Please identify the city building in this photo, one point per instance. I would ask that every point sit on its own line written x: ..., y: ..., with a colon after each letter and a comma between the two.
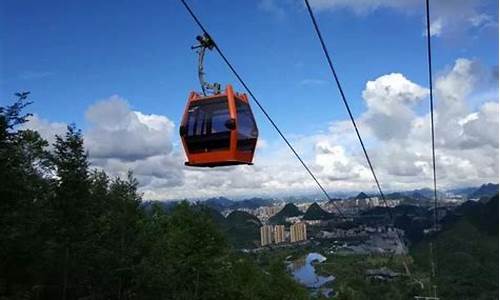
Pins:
x: 279, y: 234
x: 298, y: 232
x: 293, y: 219
x: 266, y: 235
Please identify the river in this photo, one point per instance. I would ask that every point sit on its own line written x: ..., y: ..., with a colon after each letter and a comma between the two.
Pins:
x: 303, y: 271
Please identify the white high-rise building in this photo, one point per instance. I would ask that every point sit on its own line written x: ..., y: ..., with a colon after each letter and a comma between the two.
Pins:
x: 266, y: 235
x: 279, y: 234
x: 298, y: 232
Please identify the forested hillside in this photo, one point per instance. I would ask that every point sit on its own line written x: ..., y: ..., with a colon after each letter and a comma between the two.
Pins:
x: 289, y: 210
x: 466, y: 253
x: 70, y: 232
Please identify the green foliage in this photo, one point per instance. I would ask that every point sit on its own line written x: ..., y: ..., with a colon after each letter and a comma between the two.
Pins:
x: 351, y: 282
x: 23, y: 192
x: 189, y: 254
x: 69, y: 232
x: 466, y: 254
x: 242, y: 229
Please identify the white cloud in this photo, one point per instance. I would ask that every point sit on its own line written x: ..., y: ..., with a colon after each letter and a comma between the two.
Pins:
x: 467, y: 140
x: 447, y: 17
x: 273, y: 7
x: 481, y: 128
x: 395, y: 132
x: 483, y: 20
x: 362, y: 6
x: 389, y: 99
x: 398, y: 141
x: 119, y: 139
x: 337, y: 165
x: 398, y: 138
x: 47, y: 130
x: 453, y: 110
x: 436, y: 27
x: 118, y: 132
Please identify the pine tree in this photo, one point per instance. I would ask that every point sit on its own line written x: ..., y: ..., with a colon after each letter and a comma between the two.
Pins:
x: 23, y: 189
x: 70, y: 208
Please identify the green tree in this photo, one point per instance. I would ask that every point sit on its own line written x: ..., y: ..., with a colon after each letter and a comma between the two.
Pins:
x: 187, y: 259
x: 118, y: 247
x: 71, y: 210
x: 70, y: 232
x: 23, y: 190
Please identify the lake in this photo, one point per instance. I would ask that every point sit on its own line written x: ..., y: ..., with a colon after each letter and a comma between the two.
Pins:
x: 303, y: 271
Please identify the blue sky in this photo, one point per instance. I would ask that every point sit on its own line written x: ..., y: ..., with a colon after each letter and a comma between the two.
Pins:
x: 71, y: 54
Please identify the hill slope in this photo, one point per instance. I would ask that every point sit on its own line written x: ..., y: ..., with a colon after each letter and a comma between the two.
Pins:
x: 290, y: 210
x: 315, y: 212
x: 219, y: 203
x: 242, y: 229
x: 467, y: 253
x: 252, y: 203
x: 361, y: 196
x: 486, y: 190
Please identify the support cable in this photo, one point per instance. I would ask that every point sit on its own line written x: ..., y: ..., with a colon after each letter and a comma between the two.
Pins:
x: 346, y: 104
x: 242, y: 82
x: 353, y: 121
x: 431, y: 102
x: 433, y: 254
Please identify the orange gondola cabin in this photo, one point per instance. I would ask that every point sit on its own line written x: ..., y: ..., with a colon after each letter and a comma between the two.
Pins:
x: 218, y: 130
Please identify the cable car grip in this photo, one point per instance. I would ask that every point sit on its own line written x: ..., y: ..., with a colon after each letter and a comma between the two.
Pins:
x: 205, y: 42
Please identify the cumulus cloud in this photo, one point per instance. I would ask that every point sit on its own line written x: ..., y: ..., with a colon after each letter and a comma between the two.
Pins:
x: 447, y: 17
x: 436, y: 27
x: 397, y: 134
x: 395, y: 131
x: 119, y: 139
x: 48, y: 130
x: 389, y: 99
x: 467, y: 138
x: 454, y: 113
x: 118, y: 132
x: 362, y: 6
x: 481, y: 128
x: 337, y: 165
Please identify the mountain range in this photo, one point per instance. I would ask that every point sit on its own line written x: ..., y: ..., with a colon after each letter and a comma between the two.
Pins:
x: 486, y: 190
x: 426, y: 194
x: 222, y: 203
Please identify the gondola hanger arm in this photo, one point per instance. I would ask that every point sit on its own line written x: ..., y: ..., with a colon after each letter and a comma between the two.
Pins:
x: 205, y: 42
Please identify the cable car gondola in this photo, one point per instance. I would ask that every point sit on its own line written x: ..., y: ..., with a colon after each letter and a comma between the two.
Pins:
x: 217, y: 129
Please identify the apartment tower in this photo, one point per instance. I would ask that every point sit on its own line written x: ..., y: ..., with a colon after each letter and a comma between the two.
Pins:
x: 266, y: 235
x: 298, y: 232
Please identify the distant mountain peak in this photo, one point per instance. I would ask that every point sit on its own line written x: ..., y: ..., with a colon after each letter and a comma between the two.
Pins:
x: 361, y: 196
x: 219, y: 203
x: 486, y: 190
x: 315, y: 212
x: 314, y: 205
x: 289, y: 210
